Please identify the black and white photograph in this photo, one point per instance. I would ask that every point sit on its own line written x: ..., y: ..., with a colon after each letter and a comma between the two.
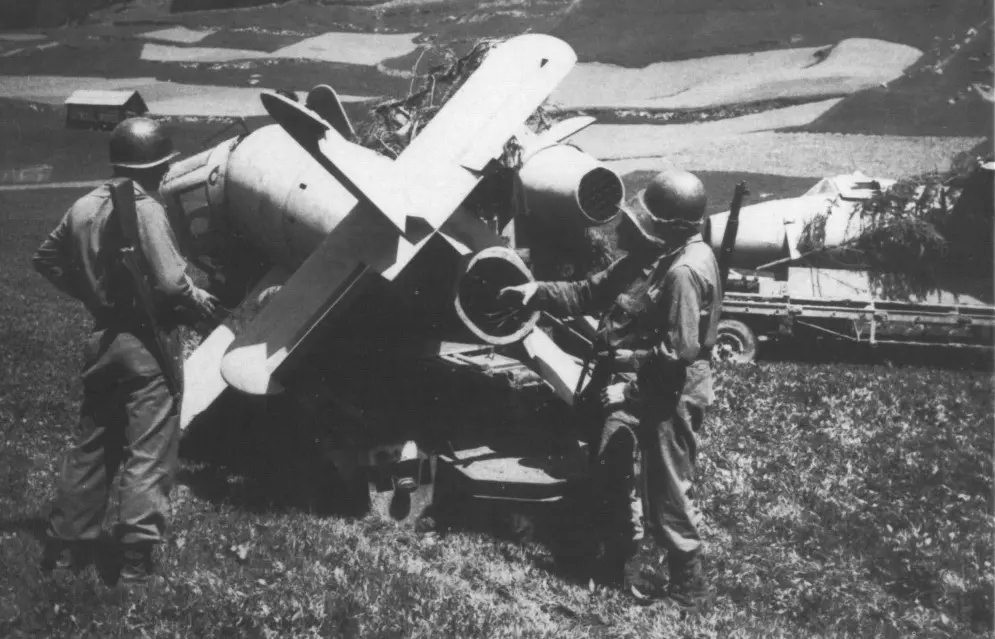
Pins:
x: 497, y: 319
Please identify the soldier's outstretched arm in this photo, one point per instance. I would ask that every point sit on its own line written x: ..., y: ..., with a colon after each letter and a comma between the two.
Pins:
x: 568, y: 299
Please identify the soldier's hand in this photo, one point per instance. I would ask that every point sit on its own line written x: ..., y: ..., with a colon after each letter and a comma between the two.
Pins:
x: 613, y: 395
x: 519, y: 295
x: 624, y: 356
x: 621, y: 358
x: 206, y: 303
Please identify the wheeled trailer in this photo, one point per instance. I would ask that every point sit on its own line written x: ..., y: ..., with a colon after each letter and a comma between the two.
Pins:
x: 838, y: 304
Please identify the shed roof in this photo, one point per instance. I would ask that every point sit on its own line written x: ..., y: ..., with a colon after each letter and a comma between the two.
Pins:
x: 103, y: 98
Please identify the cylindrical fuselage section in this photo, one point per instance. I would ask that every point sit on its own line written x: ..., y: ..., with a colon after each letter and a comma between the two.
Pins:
x: 759, y: 239
x: 566, y: 187
x: 280, y: 199
x: 763, y: 235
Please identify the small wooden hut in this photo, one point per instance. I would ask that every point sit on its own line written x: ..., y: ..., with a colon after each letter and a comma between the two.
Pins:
x: 96, y: 109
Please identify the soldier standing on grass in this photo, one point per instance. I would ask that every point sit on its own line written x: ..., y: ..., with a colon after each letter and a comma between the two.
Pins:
x: 128, y: 419
x: 660, y: 309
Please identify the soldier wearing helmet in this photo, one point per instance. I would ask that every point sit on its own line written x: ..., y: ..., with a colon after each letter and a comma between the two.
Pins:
x: 128, y: 419
x: 659, y: 307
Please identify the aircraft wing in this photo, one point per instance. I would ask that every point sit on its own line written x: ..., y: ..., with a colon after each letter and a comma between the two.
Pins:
x: 428, y: 181
x: 202, y: 381
x: 443, y: 163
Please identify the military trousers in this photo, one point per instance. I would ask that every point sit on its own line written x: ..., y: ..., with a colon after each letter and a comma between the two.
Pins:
x: 644, y: 466
x: 128, y: 426
x: 616, y: 471
x: 617, y: 493
x: 668, y: 429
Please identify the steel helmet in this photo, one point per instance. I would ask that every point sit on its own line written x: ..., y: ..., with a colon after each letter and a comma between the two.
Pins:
x: 674, y: 198
x: 140, y: 143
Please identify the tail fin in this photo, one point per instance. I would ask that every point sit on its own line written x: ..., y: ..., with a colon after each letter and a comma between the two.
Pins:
x: 325, y: 102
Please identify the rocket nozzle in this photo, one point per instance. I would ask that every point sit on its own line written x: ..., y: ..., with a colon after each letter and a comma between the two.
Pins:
x: 477, y: 303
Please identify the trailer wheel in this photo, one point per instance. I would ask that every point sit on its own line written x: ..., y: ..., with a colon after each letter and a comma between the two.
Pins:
x: 736, y: 343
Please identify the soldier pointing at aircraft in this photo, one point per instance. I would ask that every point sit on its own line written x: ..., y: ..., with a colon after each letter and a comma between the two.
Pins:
x: 659, y: 310
x: 128, y: 419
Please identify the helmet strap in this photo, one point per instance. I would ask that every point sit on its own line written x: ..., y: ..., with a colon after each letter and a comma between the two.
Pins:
x: 676, y: 227
x: 149, y: 178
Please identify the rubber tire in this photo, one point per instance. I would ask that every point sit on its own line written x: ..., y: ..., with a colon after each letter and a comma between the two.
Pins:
x: 741, y: 341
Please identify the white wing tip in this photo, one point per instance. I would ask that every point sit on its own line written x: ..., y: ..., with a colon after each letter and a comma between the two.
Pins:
x: 247, y: 369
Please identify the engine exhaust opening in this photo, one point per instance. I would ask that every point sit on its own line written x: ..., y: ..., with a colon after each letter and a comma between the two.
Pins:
x: 566, y: 188
x: 599, y: 194
x: 477, y: 304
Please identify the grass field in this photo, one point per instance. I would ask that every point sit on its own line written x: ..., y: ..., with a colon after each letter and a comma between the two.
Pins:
x: 840, y: 499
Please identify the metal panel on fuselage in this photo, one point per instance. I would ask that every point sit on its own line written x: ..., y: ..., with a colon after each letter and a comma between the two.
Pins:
x: 281, y: 199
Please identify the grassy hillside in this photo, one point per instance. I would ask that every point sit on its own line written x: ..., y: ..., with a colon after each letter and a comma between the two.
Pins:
x: 840, y: 499
x: 638, y: 32
x: 941, y: 95
x: 37, y: 135
x: 936, y: 98
x: 626, y: 32
x: 27, y: 14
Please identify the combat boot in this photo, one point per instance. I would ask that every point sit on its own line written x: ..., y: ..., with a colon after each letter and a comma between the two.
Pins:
x: 606, y: 569
x: 687, y: 581
x: 137, y: 568
x: 641, y: 576
x: 72, y: 555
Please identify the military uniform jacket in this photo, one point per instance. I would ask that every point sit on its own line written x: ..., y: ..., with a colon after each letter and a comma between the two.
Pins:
x: 81, y: 257
x: 666, y: 310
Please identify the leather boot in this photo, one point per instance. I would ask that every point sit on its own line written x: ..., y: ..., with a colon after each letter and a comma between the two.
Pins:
x: 607, y: 565
x: 687, y: 580
x: 73, y: 555
x: 138, y: 565
x: 641, y: 577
